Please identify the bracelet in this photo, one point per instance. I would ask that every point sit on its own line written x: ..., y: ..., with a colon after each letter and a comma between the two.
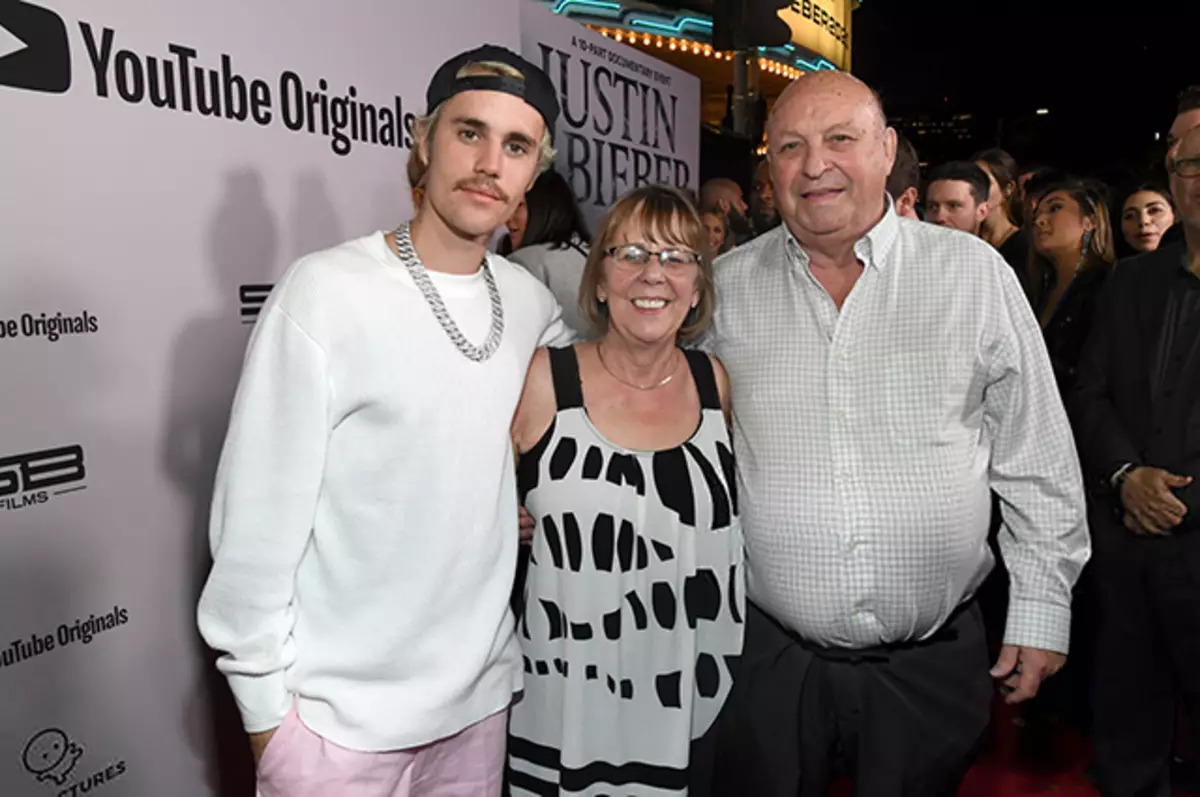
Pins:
x: 1121, y: 475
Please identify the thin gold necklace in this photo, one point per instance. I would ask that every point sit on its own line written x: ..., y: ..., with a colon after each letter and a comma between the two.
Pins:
x: 661, y: 383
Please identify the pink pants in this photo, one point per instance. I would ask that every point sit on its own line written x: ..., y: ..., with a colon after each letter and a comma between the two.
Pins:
x: 299, y: 763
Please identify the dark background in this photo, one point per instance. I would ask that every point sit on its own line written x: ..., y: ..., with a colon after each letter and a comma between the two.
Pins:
x: 1108, y: 72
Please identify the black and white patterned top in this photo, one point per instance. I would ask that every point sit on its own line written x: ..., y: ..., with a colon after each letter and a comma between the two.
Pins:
x: 633, y: 603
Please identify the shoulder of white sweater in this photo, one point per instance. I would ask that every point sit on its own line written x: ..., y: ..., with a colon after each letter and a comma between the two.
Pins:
x: 310, y: 290
x: 329, y: 266
x: 520, y: 278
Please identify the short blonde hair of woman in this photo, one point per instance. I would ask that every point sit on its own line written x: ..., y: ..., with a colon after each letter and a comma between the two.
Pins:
x: 424, y: 126
x: 668, y: 218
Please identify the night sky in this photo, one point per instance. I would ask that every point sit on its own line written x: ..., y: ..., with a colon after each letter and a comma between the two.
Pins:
x: 1108, y: 79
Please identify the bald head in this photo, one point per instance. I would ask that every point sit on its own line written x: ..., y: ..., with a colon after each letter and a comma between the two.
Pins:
x: 830, y: 152
x: 717, y: 189
x: 722, y: 193
x: 829, y: 83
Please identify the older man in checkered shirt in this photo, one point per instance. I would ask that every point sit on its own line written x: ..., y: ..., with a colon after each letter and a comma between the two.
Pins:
x: 887, y: 375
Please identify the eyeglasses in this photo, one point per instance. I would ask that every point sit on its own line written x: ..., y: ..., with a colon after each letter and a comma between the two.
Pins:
x: 1186, y: 167
x: 637, y: 256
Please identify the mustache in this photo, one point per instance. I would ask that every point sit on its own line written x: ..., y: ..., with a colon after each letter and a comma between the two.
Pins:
x: 484, y: 185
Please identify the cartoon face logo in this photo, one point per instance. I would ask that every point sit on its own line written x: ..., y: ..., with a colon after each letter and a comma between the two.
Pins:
x: 50, y: 755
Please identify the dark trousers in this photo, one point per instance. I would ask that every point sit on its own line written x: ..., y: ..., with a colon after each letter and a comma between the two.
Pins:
x: 1147, y: 657
x: 902, y: 722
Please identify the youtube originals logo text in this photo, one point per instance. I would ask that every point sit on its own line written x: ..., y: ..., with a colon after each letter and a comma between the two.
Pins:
x: 50, y: 327
x: 31, y: 479
x: 35, y: 55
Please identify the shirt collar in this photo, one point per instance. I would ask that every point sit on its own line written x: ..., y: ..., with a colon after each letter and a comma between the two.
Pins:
x: 872, y: 249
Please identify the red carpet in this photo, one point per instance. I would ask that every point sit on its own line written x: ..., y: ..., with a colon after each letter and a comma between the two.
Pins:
x: 1002, y: 774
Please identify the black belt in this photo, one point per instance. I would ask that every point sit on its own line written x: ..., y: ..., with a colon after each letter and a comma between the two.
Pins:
x: 878, y: 653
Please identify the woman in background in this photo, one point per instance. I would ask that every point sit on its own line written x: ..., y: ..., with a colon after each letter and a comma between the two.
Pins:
x: 512, y: 234
x: 1071, y: 258
x: 1072, y: 253
x: 554, y: 245
x: 1146, y: 215
x: 717, y: 228
x: 1000, y: 228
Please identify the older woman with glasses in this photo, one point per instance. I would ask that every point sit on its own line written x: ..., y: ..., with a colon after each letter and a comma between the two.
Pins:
x: 633, y: 602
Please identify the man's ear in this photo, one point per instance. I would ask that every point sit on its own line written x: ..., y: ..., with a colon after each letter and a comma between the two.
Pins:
x: 889, y: 147
x: 423, y: 145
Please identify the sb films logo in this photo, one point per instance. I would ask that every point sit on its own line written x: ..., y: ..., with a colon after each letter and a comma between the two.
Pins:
x: 252, y: 299
x: 34, y: 53
x: 51, y: 757
x: 31, y: 479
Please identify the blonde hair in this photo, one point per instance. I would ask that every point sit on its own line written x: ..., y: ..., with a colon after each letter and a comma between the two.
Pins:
x: 424, y: 126
x: 667, y: 216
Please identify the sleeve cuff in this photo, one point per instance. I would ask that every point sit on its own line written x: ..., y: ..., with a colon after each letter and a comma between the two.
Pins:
x: 1036, y: 624
x: 262, y: 700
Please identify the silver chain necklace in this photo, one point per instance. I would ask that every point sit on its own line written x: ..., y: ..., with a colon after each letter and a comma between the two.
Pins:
x: 416, y: 269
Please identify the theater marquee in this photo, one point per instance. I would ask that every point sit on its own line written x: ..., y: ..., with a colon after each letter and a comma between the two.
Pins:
x: 821, y: 26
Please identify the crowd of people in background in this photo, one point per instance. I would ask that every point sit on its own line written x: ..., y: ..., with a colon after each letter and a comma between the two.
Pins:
x: 1063, y: 235
x: 763, y: 454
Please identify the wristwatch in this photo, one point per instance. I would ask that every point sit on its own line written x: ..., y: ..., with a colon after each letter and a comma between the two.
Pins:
x: 1118, y: 479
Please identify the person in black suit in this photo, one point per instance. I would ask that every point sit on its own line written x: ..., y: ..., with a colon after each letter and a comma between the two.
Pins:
x: 1138, y: 409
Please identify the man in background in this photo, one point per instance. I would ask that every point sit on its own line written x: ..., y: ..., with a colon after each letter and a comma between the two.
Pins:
x: 957, y: 196
x: 763, y: 214
x: 904, y: 182
x: 1138, y: 403
x: 726, y: 195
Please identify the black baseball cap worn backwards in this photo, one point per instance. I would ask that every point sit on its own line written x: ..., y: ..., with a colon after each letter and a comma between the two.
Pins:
x: 535, y: 89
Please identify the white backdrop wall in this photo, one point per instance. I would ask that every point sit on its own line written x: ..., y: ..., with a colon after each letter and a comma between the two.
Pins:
x: 146, y: 228
x: 141, y: 225
x: 627, y: 119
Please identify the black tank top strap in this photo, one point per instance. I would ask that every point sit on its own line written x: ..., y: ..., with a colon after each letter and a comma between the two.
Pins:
x: 564, y: 370
x: 705, y: 378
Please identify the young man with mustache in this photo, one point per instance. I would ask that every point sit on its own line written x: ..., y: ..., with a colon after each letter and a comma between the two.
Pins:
x: 364, y: 519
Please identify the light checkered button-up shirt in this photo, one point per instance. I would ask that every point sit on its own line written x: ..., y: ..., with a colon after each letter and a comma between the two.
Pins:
x: 867, y: 439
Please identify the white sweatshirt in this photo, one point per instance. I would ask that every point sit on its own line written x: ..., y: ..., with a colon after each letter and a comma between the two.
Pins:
x: 364, y: 521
